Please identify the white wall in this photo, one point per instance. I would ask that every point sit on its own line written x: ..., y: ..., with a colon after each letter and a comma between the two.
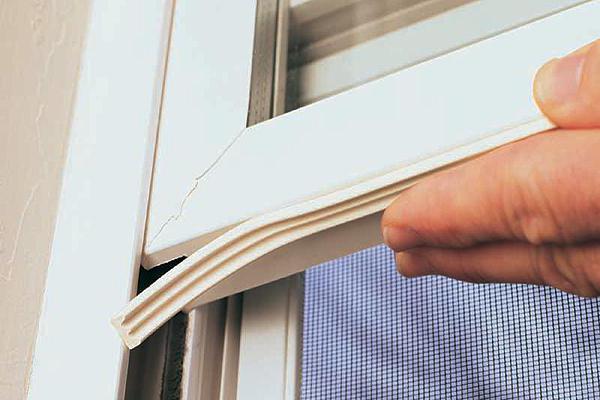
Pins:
x: 40, y: 49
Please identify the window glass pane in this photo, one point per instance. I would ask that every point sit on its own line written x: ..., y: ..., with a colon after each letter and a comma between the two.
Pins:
x: 371, y: 334
x: 335, y: 45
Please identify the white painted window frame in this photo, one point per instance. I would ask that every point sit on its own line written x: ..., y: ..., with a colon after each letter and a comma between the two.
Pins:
x: 97, y: 245
x: 321, y: 182
x: 271, y: 341
x: 208, y: 161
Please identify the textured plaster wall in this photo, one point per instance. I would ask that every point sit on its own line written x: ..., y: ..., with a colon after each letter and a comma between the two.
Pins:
x: 40, y: 51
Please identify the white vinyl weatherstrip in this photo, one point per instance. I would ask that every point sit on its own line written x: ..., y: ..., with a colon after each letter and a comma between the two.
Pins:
x: 287, y: 241
x: 375, y: 128
x: 98, y: 237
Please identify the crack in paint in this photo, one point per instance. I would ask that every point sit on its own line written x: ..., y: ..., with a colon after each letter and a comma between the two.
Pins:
x: 11, y: 260
x: 194, y: 186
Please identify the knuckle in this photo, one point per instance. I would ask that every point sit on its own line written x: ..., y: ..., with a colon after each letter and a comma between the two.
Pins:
x: 552, y: 268
x: 565, y: 269
x: 539, y: 229
x: 534, y: 215
x: 542, y: 265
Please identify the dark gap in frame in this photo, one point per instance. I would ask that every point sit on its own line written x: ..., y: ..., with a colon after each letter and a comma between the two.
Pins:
x: 155, y: 367
x: 175, y: 352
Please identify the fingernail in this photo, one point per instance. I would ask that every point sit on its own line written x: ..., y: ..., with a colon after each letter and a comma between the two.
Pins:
x: 412, y: 265
x: 399, y: 239
x: 558, y: 81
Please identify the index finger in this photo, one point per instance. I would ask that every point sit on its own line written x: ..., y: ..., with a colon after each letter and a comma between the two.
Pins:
x: 545, y: 189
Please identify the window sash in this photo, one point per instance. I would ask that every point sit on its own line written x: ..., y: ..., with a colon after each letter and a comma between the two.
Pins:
x: 202, y: 209
x: 295, y: 157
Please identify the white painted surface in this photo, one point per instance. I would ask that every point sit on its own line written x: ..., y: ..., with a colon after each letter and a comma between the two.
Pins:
x: 380, y: 126
x: 205, y: 104
x: 203, y: 357
x: 270, y: 347
x: 99, y: 229
x: 417, y: 43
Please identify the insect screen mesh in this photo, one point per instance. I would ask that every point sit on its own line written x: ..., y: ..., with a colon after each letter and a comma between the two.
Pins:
x: 371, y: 334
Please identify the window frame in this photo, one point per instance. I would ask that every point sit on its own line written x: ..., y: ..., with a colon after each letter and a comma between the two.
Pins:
x: 271, y: 341
x: 97, y: 244
x: 289, y: 240
x: 190, y: 152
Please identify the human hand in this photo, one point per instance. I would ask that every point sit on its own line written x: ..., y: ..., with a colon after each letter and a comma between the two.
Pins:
x: 528, y: 212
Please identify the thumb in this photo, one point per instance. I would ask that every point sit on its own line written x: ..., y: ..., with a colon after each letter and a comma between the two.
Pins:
x: 567, y: 89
